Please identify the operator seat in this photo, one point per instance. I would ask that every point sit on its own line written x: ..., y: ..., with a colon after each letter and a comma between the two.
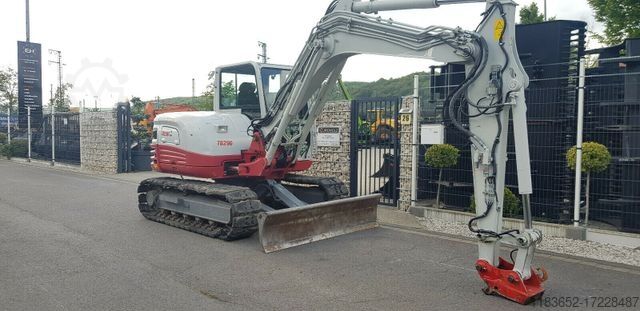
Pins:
x: 248, y: 100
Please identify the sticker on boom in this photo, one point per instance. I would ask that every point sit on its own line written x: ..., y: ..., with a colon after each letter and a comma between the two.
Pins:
x: 498, y: 29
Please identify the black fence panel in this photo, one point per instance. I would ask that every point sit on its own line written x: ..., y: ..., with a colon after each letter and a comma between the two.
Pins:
x: 67, y: 138
x: 612, y: 118
x: 375, y: 148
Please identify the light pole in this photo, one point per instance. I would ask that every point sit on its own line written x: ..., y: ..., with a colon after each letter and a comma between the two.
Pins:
x: 263, y: 56
x: 28, y: 28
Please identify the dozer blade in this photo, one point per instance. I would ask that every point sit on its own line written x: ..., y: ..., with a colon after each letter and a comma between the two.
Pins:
x: 291, y: 227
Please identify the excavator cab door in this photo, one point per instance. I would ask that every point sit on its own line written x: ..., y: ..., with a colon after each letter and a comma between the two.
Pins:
x: 249, y: 88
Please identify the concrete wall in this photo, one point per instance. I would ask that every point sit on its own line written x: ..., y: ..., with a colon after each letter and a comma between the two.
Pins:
x: 333, y: 161
x: 98, y: 141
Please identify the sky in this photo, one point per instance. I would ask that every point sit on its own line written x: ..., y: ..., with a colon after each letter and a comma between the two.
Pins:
x: 116, y: 49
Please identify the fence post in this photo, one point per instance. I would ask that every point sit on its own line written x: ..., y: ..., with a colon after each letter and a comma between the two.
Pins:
x: 9, y: 124
x: 53, y: 135
x: 353, y: 149
x: 29, y: 132
x: 578, y: 181
x: 414, y: 141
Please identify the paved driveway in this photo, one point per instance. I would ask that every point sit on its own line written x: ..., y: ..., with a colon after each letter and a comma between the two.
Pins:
x: 71, y: 241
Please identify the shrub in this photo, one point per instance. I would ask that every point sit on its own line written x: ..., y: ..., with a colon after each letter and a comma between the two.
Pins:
x: 17, y: 148
x: 443, y: 155
x: 3, y: 138
x: 511, y: 206
x: 595, y: 157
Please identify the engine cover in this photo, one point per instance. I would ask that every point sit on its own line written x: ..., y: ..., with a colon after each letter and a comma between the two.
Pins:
x: 199, y: 143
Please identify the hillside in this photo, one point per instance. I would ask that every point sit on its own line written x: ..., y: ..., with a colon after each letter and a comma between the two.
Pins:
x: 402, y: 86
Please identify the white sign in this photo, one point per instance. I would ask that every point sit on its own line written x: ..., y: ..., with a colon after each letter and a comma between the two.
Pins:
x: 431, y: 134
x: 328, y: 136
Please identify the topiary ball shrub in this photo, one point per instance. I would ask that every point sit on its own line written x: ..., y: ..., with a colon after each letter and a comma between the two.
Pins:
x: 443, y: 155
x: 595, y: 157
x: 511, y: 206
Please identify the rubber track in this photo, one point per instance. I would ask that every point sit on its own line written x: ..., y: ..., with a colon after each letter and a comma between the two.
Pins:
x: 244, y: 207
x: 332, y: 186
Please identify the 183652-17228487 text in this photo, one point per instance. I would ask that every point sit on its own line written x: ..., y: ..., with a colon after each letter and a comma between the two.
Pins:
x: 589, y: 302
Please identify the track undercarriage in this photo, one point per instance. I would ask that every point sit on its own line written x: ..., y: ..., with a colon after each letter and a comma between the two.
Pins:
x: 228, y: 209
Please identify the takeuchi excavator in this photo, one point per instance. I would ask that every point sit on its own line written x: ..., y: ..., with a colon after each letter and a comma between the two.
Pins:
x: 248, y: 154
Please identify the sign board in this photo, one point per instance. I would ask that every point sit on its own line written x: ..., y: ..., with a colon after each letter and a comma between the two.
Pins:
x: 29, y: 82
x: 431, y: 134
x: 405, y: 116
x: 405, y: 119
x: 328, y: 136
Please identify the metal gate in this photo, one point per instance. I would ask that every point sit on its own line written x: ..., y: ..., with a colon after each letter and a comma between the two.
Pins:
x: 375, y: 148
x: 123, y: 116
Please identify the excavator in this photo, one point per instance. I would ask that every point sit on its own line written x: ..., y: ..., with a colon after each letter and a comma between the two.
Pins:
x: 245, y: 158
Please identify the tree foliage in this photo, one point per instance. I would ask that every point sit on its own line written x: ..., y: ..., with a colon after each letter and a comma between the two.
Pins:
x: 595, y: 157
x: 621, y: 19
x: 443, y: 155
x: 209, y: 89
x: 8, y: 89
x: 530, y: 14
x: 139, y: 132
x: 511, y: 206
x: 137, y: 108
x: 61, y: 99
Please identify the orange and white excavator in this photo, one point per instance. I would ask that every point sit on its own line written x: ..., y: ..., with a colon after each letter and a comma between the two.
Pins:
x: 256, y: 141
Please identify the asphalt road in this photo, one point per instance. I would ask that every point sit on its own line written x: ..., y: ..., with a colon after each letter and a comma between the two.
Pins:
x: 71, y: 241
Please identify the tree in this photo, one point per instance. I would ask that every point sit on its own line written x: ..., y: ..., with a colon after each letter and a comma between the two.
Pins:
x: 61, y: 99
x: 209, y: 89
x: 137, y: 108
x: 595, y: 158
x: 621, y: 19
x: 530, y: 14
x: 8, y: 89
x: 140, y: 130
x: 441, y: 156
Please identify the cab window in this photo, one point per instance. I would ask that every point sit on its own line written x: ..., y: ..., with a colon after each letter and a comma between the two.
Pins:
x: 272, y: 80
x: 238, y: 90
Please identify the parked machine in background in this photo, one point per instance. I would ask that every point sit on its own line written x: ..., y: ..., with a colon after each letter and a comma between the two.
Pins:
x: 257, y: 138
x: 381, y: 126
x: 153, y: 109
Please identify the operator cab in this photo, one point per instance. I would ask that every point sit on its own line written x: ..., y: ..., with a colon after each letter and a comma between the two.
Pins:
x: 248, y: 88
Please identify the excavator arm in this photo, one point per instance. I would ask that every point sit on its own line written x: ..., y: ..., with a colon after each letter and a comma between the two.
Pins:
x: 492, y: 91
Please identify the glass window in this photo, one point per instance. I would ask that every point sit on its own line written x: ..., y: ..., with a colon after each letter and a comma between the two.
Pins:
x: 272, y: 80
x: 238, y: 90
